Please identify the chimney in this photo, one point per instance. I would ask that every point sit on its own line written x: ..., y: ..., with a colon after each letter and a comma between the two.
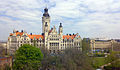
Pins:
x: 21, y: 30
x: 30, y: 33
x: 17, y: 31
x: 60, y: 25
x: 42, y: 33
x: 51, y: 28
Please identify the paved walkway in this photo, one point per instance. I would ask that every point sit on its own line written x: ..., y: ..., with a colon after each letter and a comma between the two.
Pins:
x: 102, y: 67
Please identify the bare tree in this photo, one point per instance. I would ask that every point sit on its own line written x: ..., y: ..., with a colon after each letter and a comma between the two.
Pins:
x: 116, y: 46
x: 70, y: 59
x: 2, y: 51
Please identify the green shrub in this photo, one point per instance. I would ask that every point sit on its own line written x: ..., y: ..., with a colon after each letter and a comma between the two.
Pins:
x: 99, y: 55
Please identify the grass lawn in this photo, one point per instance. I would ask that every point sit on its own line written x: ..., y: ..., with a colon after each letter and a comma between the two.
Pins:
x: 98, y: 61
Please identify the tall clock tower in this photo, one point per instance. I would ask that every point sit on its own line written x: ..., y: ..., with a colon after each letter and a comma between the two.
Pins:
x: 45, y: 20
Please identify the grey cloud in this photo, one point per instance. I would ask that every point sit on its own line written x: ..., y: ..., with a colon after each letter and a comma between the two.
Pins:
x: 90, y: 18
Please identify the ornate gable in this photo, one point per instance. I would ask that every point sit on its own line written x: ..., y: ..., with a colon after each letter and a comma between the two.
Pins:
x: 53, y: 31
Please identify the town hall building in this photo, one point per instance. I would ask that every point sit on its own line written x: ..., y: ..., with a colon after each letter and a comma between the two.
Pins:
x: 50, y: 39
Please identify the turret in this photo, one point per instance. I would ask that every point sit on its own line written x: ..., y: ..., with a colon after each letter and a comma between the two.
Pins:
x: 46, y: 14
x: 14, y: 31
x: 60, y: 29
x: 45, y: 19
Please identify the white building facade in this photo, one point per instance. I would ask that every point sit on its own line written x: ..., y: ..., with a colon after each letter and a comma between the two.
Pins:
x: 50, y: 39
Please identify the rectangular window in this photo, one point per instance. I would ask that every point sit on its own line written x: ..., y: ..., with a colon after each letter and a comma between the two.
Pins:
x: 24, y: 41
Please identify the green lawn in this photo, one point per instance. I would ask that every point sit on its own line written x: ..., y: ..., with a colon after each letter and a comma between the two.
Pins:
x: 98, y: 61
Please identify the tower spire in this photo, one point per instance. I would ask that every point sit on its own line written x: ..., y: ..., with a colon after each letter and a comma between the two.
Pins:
x: 46, y: 14
x: 46, y: 5
x: 45, y: 20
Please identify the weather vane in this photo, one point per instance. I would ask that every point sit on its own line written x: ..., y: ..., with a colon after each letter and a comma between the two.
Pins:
x: 46, y: 5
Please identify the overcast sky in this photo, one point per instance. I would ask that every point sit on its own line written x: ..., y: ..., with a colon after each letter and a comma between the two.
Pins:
x: 89, y: 18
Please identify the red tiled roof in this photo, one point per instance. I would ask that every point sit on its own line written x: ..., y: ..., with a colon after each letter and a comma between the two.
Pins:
x: 69, y: 36
x: 17, y: 33
x: 4, y: 58
x: 35, y: 36
x: 11, y: 34
x: 30, y: 36
x: 38, y: 36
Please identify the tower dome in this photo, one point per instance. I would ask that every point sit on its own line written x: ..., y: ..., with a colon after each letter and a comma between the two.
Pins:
x: 46, y: 14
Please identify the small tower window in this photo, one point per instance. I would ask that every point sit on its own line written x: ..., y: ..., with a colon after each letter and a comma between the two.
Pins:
x: 46, y: 24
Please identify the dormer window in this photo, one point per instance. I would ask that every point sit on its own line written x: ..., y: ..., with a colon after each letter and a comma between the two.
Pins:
x: 24, y: 38
x: 34, y: 38
x: 18, y: 35
x: 40, y: 38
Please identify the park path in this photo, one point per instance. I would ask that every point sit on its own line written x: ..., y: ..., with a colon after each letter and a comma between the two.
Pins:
x: 102, y: 67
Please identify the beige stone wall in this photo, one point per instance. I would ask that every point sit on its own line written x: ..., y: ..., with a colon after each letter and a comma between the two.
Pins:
x: 44, y: 20
x: 54, y: 43
x: 102, y: 45
x: 106, y: 44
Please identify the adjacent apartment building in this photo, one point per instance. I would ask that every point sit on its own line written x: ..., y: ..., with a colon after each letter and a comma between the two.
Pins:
x: 101, y: 44
x: 50, y: 39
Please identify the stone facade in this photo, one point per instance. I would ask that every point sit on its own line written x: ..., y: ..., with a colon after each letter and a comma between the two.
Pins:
x: 50, y: 39
x: 101, y: 44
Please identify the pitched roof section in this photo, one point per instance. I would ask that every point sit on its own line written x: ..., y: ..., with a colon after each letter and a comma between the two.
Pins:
x: 30, y: 36
x: 36, y: 36
x: 69, y: 36
x: 50, y: 30
x: 17, y: 33
x: 11, y: 34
